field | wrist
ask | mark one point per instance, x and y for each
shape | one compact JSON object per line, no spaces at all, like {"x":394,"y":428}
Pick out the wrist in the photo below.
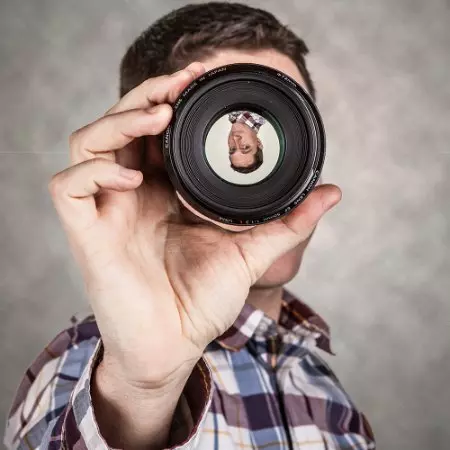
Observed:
{"x":146,"y":375}
{"x":134,"y":414}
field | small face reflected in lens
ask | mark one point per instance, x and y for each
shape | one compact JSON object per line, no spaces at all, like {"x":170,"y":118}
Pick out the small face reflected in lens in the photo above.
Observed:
{"x":242,"y":147}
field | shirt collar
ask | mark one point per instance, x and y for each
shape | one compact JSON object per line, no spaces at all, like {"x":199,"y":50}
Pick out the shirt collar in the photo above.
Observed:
{"x":295,"y":316}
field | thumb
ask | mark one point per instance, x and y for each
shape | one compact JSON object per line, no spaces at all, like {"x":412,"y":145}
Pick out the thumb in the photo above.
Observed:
{"x":264,"y":244}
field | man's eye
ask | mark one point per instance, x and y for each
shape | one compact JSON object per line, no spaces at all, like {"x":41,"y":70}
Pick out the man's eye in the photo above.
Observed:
{"x":232,"y":150}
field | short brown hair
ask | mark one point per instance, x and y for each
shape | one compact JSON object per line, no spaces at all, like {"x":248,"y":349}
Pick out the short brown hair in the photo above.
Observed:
{"x":194,"y":31}
{"x":257,"y":161}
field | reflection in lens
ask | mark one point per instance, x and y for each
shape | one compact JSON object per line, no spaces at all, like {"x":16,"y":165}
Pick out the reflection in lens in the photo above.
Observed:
{"x":242,"y":147}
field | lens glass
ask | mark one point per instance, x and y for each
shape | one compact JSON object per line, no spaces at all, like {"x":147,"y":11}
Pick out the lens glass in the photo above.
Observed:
{"x":242,"y":147}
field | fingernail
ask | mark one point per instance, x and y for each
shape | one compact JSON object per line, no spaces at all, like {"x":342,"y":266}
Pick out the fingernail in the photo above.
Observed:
{"x":331,"y":202}
{"x":130,"y":174}
{"x":329,"y":205}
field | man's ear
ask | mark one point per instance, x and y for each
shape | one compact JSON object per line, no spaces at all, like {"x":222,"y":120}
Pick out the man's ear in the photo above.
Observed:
{"x":260,"y":145}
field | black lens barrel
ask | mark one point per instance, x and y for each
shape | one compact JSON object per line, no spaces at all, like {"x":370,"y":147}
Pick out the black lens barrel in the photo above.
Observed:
{"x":270,"y":93}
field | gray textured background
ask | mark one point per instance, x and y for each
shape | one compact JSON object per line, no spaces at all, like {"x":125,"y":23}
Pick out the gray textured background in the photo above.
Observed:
{"x":378,"y":267}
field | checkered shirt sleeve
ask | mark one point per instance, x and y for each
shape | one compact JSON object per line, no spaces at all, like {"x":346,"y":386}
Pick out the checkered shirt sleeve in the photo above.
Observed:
{"x":53,"y":406}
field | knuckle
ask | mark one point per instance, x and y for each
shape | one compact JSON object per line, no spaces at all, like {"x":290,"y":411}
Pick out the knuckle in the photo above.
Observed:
{"x":99,"y":161}
{"x":147,"y":82}
{"x":55,"y":184}
{"x":77,"y":138}
{"x":177,"y":73}
{"x":147,"y":85}
{"x":93,"y":162}
{"x":76,"y":144}
{"x":151,"y":84}
{"x":99,"y":165}
{"x":74,"y":137}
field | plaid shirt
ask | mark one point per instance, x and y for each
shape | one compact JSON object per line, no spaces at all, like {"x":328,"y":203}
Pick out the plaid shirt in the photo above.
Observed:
{"x":252,"y":120}
{"x":261,"y":385}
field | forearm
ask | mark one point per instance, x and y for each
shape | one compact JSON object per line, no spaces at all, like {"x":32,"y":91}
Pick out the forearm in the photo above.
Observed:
{"x":134,"y":417}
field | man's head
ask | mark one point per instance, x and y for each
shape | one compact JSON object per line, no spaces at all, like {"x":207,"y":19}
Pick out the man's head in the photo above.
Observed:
{"x":217,"y":34}
{"x":199,"y":32}
{"x":244,"y":147}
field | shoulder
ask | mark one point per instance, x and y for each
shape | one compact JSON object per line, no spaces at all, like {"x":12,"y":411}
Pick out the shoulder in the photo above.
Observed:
{"x":258,"y":119}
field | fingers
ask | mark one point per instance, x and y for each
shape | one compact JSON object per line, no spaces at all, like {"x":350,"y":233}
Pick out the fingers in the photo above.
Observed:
{"x":143,"y":111}
{"x":115,"y":131}
{"x":73,"y":189}
{"x":163,"y":89}
{"x":304,"y":219}
{"x":263,"y":245}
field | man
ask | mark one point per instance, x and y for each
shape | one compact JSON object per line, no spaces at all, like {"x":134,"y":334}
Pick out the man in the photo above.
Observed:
{"x":195,"y":343}
{"x":245,"y":148}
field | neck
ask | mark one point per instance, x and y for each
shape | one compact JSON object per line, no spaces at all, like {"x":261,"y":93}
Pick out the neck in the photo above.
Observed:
{"x":267,"y":300}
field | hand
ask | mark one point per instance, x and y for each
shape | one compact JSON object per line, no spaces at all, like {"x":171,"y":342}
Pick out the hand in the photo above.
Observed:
{"x":161,"y":287}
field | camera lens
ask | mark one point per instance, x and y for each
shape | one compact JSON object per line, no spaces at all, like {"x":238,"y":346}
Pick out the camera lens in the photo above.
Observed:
{"x":246,"y":144}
